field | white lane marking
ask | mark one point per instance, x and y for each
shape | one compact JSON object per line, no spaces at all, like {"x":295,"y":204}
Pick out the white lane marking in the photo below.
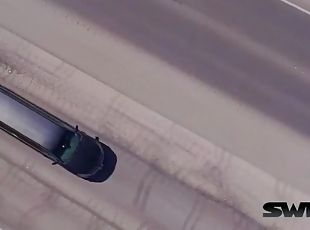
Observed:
{"x":296,"y":6}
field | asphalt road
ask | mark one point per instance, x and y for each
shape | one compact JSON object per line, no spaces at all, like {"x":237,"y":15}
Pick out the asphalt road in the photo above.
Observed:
{"x":224,"y":71}
{"x":235,"y":73}
{"x":36,"y":195}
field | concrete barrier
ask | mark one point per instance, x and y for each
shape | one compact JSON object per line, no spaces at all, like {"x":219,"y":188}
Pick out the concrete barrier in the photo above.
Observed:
{"x":30,"y":205}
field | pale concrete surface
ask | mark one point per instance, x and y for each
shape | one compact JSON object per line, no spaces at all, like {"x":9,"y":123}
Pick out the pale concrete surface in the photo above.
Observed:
{"x":36,"y":195}
{"x":172,"y":52}
{"x":28,"y":204}
{"x":199,"y":60}
{"x":138,"y":196}
{"x":180,"y":153}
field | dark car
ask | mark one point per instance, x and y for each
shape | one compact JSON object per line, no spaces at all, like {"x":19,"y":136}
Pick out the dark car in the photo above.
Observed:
{"x":64,"y":144}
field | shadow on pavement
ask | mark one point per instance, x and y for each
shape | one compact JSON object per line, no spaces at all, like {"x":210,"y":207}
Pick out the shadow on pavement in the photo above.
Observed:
{"x":200,"y":52}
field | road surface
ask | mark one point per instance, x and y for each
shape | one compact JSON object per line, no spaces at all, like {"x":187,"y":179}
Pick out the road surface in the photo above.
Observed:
{"x":219,"y":69}
{"x":34,"y":195}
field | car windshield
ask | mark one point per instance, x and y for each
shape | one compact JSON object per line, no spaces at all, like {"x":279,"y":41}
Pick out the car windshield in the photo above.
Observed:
{"x":68,"y":146}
